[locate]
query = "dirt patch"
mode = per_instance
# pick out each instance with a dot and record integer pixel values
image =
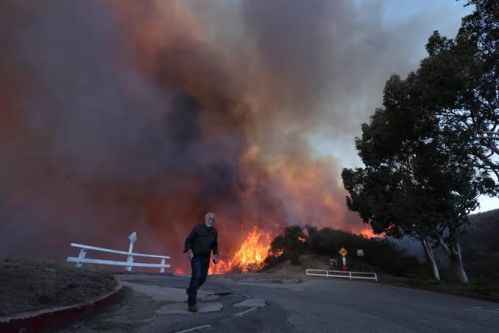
(283, 272)
(29, 285)
(288, 269)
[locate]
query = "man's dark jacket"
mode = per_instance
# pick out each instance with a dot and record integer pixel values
(202, 240)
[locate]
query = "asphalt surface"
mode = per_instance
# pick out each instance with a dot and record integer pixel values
(157, 304)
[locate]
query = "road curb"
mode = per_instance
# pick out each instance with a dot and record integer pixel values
(57, 317)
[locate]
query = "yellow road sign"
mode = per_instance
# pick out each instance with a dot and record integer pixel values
(343, 251)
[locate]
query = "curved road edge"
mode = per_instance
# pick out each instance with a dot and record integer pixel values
(59, 316)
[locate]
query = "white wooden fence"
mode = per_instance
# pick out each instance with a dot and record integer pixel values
(342, 274)
(129, 263)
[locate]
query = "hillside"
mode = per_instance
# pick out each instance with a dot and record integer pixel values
(480, 246)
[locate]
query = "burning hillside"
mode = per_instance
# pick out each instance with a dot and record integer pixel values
(128, 116)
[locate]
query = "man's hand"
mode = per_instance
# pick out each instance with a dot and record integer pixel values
(215, 259)
(189, 254)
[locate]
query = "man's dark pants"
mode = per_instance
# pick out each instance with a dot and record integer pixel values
(199, 267)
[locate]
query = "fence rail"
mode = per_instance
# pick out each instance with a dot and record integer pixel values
(129, 263)
(342, 274)
(101, 249)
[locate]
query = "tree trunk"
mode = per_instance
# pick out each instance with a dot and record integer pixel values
(461, 273)
(431, 259)
(453, 251)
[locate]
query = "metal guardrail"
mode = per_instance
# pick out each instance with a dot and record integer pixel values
(342, 274)
(82, 259)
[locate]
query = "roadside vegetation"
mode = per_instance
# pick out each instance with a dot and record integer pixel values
(380, 254)
(29, 285)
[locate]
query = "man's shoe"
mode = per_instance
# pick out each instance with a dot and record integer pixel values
(192, 308)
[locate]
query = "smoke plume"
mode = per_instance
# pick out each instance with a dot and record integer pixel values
(121, 116)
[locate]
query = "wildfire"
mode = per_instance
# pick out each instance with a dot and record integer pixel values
(249, 257)
(368, 233)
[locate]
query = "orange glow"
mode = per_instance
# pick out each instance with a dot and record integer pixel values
(179, 271)
(249, 257)
(220, 268)
(368, 233)
(302, 239)
(277, 253)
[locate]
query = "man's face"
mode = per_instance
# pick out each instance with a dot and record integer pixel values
(209, 220)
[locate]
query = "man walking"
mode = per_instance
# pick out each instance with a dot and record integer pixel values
(198, 245)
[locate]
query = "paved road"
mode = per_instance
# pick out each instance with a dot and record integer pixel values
(157, 304)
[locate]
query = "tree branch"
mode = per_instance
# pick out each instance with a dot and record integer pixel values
(493, 167)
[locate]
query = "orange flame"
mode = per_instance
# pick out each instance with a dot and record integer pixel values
(220, 268)
(277, 253)
(253, 251)
(249, 257)
(368, 233)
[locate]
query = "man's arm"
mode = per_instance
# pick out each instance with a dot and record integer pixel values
(190, 240)
(215, 249)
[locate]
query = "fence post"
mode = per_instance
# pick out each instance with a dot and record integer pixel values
(162, 269)
(132, 237)
(81, 255)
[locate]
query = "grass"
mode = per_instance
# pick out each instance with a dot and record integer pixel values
(29, 285)
(476, 289)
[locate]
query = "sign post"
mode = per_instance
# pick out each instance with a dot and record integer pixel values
(343, 252)
(360, 253)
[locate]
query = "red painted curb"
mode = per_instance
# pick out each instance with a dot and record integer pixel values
(56, 317)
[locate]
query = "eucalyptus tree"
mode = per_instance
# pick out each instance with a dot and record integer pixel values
(414, 183)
